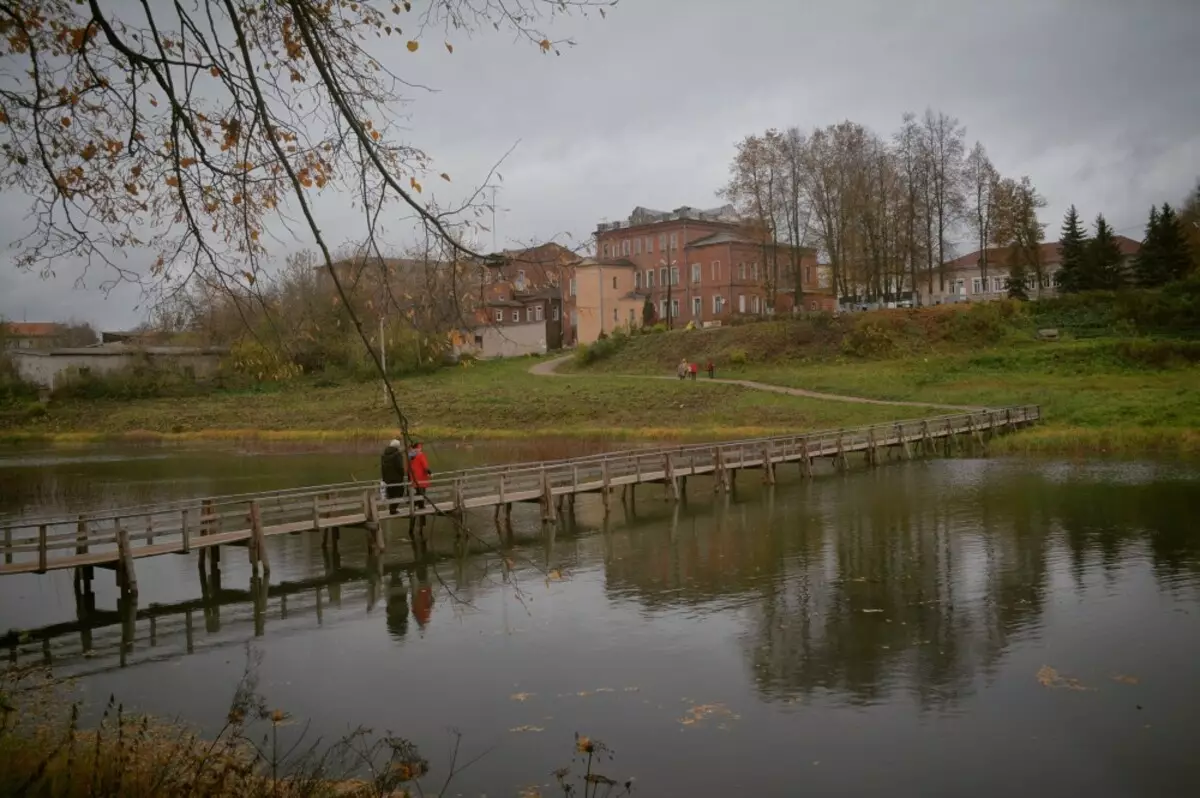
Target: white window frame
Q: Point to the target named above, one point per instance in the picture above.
(662, 276)
(662, 309)
(637, 246)
(716, 270)
(516, 316)
(674, 275)
(741, 271)
(554, 313)
(754, 271)
(537, 313)
(662, 241)
(499, 316)
(697, 306)
(718, 303)
(649, 278)
(696, 273)
(674, 308)
(976, 285)
(998, 284)
(572, 287)
(529, 313)
(741, 303)
(674, 240)
(637, 280)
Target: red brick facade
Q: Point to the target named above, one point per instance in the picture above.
(717, 266)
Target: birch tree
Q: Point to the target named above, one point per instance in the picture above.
(980, 178)
(943, 151)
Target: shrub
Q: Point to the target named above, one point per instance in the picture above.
(737, 357)
(869, 338)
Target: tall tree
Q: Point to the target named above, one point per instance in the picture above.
(981, 178)
(756, 187)
(1105, 267)
(1173, 246)
(1072, 252)
(908, 145)
(1018, 229)
(1148, 265)
(1189, 224)
(944, 146)
(797, 211)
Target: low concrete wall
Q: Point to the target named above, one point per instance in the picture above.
(511, 340)
(50, 369)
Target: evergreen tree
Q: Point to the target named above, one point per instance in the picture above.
(1105, 270)
(649, 316)
(1147, 266)
(1174, 253)
(1073, 250)
(1018, 275)
(1189, 223)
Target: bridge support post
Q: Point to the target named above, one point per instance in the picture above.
(872, 452)
(669, 483)
(926, 439)
(374, 526)
(720, 480)
(805, 461)
(949, 443)
(768, 466)
(606, 489)
(257, 547)
(840, 457)
(126, 576)
(548, 511)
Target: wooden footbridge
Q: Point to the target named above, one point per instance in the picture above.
(115, 539)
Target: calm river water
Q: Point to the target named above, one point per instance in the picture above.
(950, 627)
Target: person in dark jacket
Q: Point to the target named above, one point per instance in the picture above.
(393, 470)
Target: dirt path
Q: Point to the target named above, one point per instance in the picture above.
(548, 368)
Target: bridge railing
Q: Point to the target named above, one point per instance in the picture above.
(183, 525)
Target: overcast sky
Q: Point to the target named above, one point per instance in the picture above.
(1098, 101)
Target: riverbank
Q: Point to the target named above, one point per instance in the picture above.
(495, 400)
(1100, 395)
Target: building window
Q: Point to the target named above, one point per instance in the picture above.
(741, 271)
(718, 305)
(637, 246)
(529, 313)
(662, 276)
(625, 247)
(998, 284)
(637, 280)
(753, 271)
(742, 303)
(537, 313)
(554, 313)
(675, 308)
(976, 285)
(716, 270)
(571, 287)
(649, 278)
(662, 309)
(614, 283)
(808, 274)
(674, 240)
(574, 318)
(605, 250)
(499, 315)
(674, 275)
(614, 315)
(662, 241)
(754, 304)
(632, 317)
(478, 341)
(649, 243)
(516, 315)
(695, 272)
(696, 305)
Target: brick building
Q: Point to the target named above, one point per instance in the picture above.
(708, 265)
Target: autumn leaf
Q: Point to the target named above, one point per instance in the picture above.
(449, 47)
(172, 181)
(3, 118)
(545, 45)
(66, 121)
(88, 152)
(445, 177)
(375, 135)
(412, 45)
(249, 277)
(187, 162)
(415, 185)
(215, 72)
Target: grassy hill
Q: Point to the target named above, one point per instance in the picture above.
(1103, 388)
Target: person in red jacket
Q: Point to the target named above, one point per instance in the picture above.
(418, 469)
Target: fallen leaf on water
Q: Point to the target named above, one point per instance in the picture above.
(526, 729)
(704, 711)
(605, 690)
(872, 610)
(521, 696)
(584, 693)
(1048, 677)
(529, 792)
(1123, 679)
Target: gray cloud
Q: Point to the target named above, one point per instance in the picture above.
(1094, 99)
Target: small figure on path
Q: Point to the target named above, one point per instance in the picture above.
(693, 368)
(709, 369)
(682, 371)
(393, 473)
(418, 467)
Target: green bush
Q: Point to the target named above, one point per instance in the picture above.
(737, 357)
(586, 354)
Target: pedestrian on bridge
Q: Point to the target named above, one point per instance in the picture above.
(418, 468)
(393, 473)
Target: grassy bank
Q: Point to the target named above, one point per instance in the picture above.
(491, 400)
(1098, 394)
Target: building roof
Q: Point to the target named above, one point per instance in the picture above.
(32, 329)
(1049, 252)
(622, 262)
(643, 216)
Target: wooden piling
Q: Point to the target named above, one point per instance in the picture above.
(718, 470)
(8, 545)
(42, 549)
(316, 514)
(374, 527)
(806, 461)
(768, 466)
(185, 532)
(126, 575)
(81, 536)
(872, 454)
(605, 491)
(548, 514)
(669, 483)
(258, 548)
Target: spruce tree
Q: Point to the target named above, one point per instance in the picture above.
(1174, 253)
(1105, 270)
(1072, 250)
(1148, 266)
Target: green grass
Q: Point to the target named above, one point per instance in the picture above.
(489, 400)
(1098, 394)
